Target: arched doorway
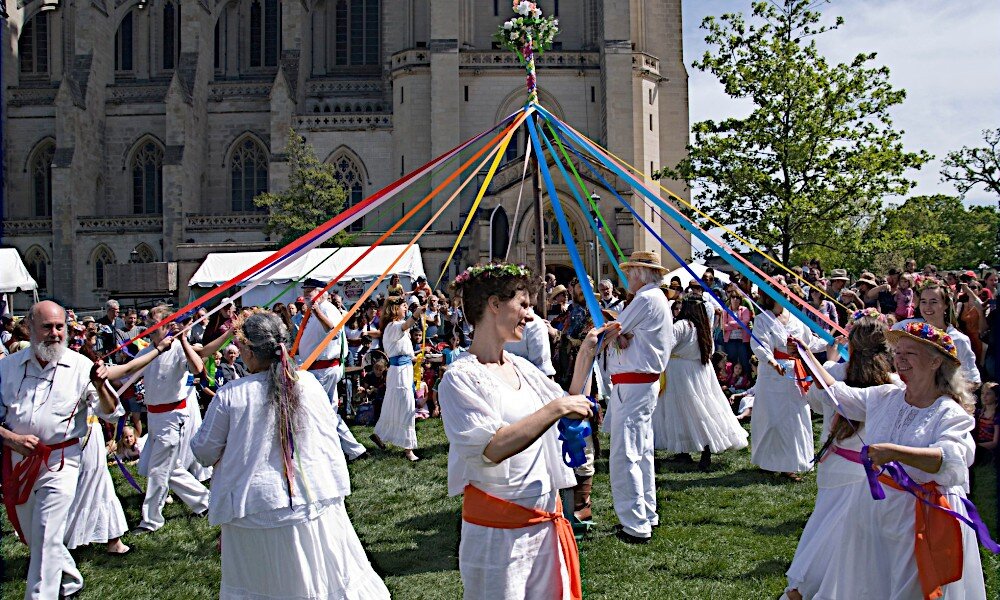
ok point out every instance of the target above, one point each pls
(556, 252)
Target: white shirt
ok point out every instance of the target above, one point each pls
(649, 320)
(962, 345)
(534, 345)
(475, 405)
(239, 433)
(39, 401)
(166, 378)
(315, 331)
(396, 341)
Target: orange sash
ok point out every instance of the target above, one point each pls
(799, 369)
(937, 542)
(486, 510)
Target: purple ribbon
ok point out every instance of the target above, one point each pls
(899, 475)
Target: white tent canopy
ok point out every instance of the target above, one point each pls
(321, 263)
(699, 269)
(14, 275)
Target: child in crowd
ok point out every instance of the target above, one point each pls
(739, 381)
(987, 431)
(452, 351)
(904, 297)
(421, 399)
(723, 368)
(129, 448)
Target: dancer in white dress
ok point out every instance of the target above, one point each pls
(692, 414)
(280, 480)
(504, 454)
(781, 434)
(831, 543)
(397, 421)
(925, 426)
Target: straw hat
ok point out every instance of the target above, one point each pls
(559, 289)
(926, 334)
(839, 275)
(642, 258)
(868, 279)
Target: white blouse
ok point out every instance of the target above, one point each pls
(475, 404)
(395, 340)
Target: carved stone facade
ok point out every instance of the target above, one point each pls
(139, 131)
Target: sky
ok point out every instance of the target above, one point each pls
(944, 53)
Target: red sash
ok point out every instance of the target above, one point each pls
(157, 409)
(18, 481)
(486, 510)
(801, 375)
(324, 364)
(619, 378)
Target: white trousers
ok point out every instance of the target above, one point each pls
(165, 471)
(633, 484)
(329, 378)
(52, 570)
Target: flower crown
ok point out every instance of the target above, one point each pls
(867, 312)
(925, 283)
(492, 270)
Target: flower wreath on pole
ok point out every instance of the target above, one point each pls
(525, 34)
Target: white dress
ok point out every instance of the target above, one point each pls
(781, 434)
(96, 515)
(396, 423)
(882, 562)
(506, 564)
(270, 550)
(692, 411)
(832, 543)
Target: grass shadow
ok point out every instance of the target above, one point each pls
(768, 568)
(435, 537)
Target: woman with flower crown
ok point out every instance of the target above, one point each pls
(925, 427)
(504, 454)
(936, 306)
(830, 542)
(397, 421)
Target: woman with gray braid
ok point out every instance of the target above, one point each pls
(280, 479)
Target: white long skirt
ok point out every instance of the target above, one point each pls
(396, 424)
(319, 559)
(692, 412)
(513, 564)
(96, 515)
(781, 436)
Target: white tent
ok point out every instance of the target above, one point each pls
(321, 263)
(699, 270)
(14, 277)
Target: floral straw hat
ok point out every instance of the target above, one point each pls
(927, 334)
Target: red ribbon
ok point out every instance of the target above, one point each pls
(19, 480)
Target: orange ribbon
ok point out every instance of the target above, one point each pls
(937, 541)
(799, 370)
(486, 510)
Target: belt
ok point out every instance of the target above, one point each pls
(164, 408)
(324, 364)
(18, 481)
(399, 361)
(618, 378)
(486, 510)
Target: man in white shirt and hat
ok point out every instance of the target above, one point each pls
(44, 395)
(641, 348)
(320, 317)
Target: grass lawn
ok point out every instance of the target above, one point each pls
(729, 533)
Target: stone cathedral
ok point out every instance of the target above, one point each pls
(138, 132)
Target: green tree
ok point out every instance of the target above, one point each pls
(817, 153)
(313, 196)
(971, 167)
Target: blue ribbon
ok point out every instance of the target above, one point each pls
(677, 216)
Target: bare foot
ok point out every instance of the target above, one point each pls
(410, 456)
(116, 546)
(793, 595)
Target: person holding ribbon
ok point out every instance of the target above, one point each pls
(919, 437)
(830, 548)
(280, 479)
(504, 455)
(692, 414)
(397, 421)
(320, 317)
(44, 395)
(781, 434)
(164, 459)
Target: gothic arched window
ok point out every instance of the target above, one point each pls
(264, 33)
(147, 179)
(356, 32)
(171, 35)
(248, 173)
(348, 174)
(123, 44)
(37, 263)
(33, 45)
(41, 179)
(144, 254)
(102, 257)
